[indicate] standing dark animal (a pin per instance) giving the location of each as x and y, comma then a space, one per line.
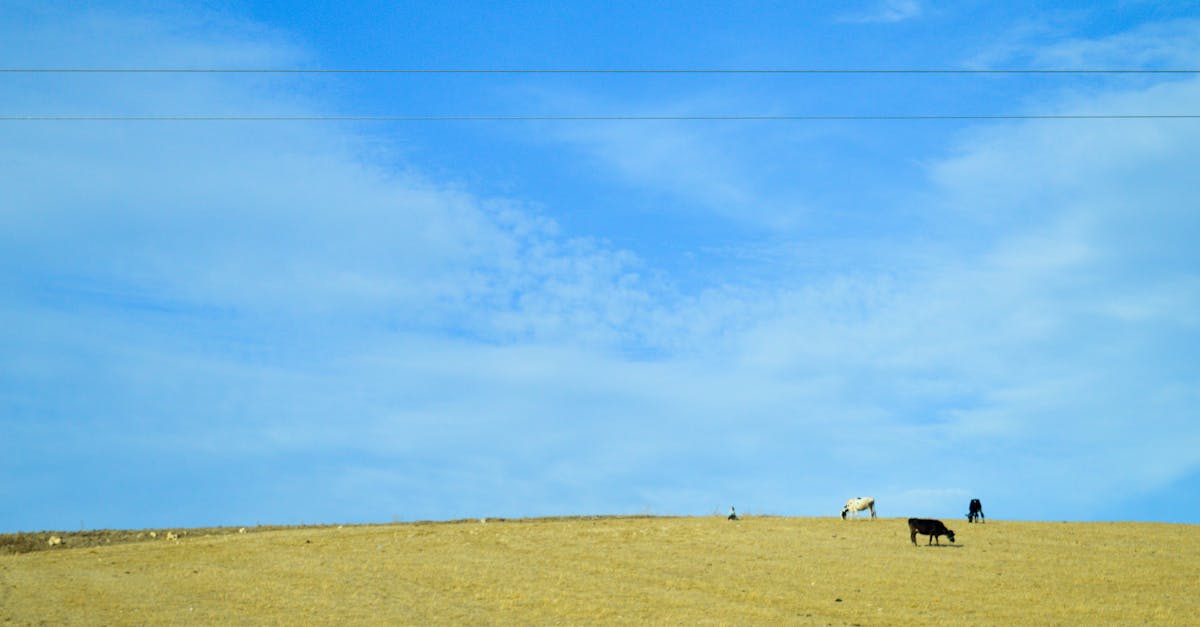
928, 527
976, 512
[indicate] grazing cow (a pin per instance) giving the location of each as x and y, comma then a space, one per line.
976, 512
927, 527
858, 504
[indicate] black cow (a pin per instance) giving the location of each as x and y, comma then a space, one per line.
927, 527
976, 511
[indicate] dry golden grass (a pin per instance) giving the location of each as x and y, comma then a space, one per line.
623, 570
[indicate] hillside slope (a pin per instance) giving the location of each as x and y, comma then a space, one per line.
623, 570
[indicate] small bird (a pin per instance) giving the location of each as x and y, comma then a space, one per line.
732, 514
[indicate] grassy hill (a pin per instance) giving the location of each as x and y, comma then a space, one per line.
617, 570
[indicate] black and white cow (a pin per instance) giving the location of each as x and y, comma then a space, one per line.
976, 512
928, 527
858, 504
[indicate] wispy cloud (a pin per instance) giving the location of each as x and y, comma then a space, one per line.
1051, 44
727, 170
885, 11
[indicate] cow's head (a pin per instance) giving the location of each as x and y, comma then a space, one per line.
844, 510
950, 535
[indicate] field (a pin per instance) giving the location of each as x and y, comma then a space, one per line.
760, 570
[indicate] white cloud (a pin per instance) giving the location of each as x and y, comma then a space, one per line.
1044, 42
886, 11
277, 220
211, 289
1163, 45
701, 167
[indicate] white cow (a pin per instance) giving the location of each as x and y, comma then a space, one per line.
858, 504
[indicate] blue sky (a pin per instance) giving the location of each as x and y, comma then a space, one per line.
237, 322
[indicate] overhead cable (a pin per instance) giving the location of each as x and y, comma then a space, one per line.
570, 118
119, 70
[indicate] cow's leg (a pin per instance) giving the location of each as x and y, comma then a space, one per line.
912, 535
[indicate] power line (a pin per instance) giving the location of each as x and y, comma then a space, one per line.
82, 70
573, 118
